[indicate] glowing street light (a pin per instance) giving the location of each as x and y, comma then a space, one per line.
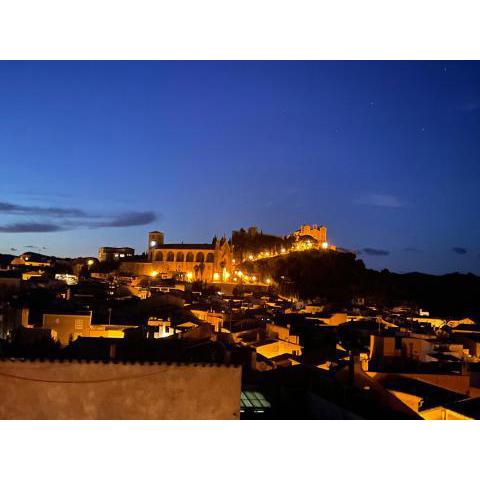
324, 245
90, 262
154, 274
189, 276
216, 277
269, 281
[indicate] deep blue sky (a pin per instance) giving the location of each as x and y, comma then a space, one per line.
386, 154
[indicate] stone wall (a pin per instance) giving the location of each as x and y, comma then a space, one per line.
88, 390
136, 268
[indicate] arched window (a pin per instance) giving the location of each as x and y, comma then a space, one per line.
200, 257
210, 257
189, 257
170, 257
159, 257
179, 257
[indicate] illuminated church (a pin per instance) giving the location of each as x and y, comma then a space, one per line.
196, 261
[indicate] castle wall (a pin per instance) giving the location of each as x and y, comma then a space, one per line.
136, 268
185, 267
319, 233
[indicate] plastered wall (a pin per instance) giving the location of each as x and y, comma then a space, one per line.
88, 390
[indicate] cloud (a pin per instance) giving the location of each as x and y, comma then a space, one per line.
25, 227
130, 220
459, 250
380, 200
15, 209
375, 251
62, 218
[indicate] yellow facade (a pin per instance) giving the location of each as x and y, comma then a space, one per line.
278, 347
442, 413
205, 262
318, 232
68, 326
213, 318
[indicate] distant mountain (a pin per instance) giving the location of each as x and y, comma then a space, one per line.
338, 277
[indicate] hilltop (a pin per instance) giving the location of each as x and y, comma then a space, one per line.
339, 277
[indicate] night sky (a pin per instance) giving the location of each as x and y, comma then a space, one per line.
386, 154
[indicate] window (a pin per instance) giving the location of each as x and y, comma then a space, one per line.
170, 257
200, 257
189, 257
253, 399
180, 257
210, 257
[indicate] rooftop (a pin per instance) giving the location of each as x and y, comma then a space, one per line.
469, 407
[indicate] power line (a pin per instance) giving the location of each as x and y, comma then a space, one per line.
102, 380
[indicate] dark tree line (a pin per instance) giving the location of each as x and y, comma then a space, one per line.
339, 277
246, 243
